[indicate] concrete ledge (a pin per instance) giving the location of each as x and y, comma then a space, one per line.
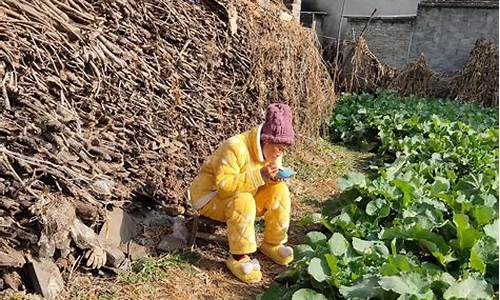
312, 12
459, 4
402, 18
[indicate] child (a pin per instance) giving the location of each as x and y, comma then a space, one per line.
238, 183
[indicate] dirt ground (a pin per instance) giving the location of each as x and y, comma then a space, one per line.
200, 273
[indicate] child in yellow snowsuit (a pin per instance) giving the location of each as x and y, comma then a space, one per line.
238, 183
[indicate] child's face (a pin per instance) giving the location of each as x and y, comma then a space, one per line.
273, 151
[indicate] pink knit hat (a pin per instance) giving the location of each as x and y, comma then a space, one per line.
278, 127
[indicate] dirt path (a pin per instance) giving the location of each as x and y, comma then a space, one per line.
201, 273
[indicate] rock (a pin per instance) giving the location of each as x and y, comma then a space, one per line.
154, 218
47, 246
177, 239
10, 257
120, 227
83, 236
103, 186
86, 211
170, 243
179, 230
114, 257
134, 251
46, 278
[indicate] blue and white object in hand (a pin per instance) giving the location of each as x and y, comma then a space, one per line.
285, 173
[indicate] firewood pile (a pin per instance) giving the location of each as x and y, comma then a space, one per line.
358, 70
104, 103
419, 79
478, 80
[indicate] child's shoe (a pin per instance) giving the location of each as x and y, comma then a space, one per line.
280, 254
245, 269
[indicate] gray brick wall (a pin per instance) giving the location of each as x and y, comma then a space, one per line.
388, 37
446, 33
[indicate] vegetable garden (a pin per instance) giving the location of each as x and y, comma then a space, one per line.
421, 222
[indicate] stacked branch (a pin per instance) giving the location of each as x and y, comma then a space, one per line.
358, 70
361, 70
108, 102
419, 79
478, 81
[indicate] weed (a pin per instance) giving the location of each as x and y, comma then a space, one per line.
154, 269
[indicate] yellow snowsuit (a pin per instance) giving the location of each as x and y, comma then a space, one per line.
230, 188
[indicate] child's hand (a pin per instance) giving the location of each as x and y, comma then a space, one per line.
269, 171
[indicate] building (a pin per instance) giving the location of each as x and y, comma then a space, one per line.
443, 30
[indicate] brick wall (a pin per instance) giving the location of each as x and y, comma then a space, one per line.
444, 31
388, 37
